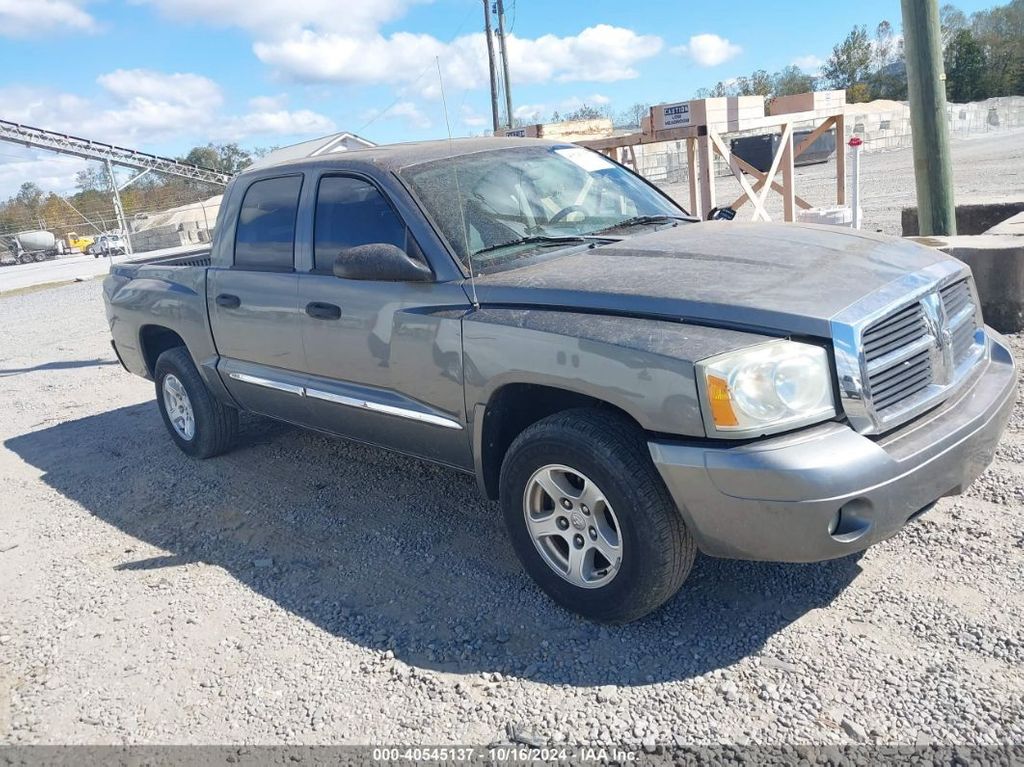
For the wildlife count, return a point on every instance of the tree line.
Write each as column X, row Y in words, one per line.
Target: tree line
column 91, row 207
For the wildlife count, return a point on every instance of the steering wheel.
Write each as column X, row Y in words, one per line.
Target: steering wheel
column 564, row 213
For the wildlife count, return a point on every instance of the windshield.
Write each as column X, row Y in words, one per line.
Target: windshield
column 499, row 206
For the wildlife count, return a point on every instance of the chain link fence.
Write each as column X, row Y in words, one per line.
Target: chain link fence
column 158, row 217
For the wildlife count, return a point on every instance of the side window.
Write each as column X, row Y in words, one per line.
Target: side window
column 265, row 238
column 350, row 212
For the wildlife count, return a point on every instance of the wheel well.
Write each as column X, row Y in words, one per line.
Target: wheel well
column 515, row 407
column 154, row 340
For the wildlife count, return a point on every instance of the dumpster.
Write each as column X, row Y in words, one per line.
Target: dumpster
column 759, row 150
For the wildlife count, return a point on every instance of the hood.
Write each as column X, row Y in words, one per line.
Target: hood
column 790, row 278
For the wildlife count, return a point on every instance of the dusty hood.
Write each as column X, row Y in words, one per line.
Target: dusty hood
column 788, row 277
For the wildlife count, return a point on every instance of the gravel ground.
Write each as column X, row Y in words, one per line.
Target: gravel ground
column 984, row 167
column 307, row 590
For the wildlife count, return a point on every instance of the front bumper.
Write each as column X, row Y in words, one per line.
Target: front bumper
column 826, row 491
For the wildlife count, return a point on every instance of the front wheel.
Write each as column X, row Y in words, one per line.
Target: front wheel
column 200, row 425
column 591, row 519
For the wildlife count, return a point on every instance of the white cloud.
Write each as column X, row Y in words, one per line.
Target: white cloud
column 49, row 171
column 536, row 113
column 278, row 122
column 32, row 18
column 285, row 18
column 708, row 50
column 140, row 107
column 324, row 41
column 268, row 103
column 597, row 54
column 473, row 119
column 406, row 111
column 809, row 63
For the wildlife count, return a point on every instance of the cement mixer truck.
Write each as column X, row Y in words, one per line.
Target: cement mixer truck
column 26, row 247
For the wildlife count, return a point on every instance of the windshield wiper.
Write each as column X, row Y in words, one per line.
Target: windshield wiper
column 640, row 220
column 545, row 239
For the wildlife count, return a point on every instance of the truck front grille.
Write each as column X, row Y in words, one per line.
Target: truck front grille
column 912, row 357
column 896, row 352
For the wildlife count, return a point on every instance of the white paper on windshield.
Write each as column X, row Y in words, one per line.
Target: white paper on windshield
column 591, row 162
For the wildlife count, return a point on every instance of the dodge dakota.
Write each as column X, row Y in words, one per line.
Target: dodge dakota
column 632, row 385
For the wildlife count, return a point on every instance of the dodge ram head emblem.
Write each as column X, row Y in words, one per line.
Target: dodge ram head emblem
column 936, row 323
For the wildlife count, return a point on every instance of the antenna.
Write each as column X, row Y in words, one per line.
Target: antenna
column 458, row 190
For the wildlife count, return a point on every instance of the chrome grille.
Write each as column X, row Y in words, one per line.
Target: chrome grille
column 906, row 348
column 961, row 315
column 897, row 355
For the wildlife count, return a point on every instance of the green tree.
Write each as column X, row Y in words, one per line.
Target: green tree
column 583, row 112
column 791, row 81
column 227, row 158
column 965, row 68
column 850, row 61
column 93, row 177
column 1000, row 32
column 760, row 83
column 29, row 195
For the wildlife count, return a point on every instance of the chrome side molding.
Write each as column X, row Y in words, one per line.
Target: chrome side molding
column 339, row 399
column 267, row 383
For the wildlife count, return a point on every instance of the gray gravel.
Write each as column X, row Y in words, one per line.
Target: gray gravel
column 313, row 591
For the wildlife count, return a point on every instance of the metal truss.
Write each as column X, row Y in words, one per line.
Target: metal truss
column 106, row 153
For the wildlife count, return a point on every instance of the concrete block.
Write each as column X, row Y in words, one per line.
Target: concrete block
column 971, row 218
column 997, row 262
column 1013, row 226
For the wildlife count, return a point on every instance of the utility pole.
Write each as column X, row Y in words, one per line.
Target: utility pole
column 926, row 81
column 490, row 66
column 504, row 63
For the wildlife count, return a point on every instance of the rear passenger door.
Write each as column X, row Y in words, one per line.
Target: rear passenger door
column 253, row 303
column 385, row 363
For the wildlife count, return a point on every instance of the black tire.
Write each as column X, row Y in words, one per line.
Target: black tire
column 657, row 549
column 216, row 424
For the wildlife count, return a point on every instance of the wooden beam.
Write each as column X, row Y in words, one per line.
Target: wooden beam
column 840, row 159
column 691, row 163
column 812, row 137
column 776, row 186
column 759, row 211
column 706, row 166
column 788, row 180
column 787, row 135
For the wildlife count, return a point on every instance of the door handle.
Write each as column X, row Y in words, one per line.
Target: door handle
column 322, row 311
column 228, row 301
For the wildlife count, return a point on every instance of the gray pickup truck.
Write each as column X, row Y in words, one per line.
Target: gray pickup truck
column 632, row 384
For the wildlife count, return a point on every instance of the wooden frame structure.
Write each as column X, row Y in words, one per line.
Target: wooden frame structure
column 704, row 142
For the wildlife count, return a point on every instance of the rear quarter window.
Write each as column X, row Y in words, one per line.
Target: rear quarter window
column 265, row 236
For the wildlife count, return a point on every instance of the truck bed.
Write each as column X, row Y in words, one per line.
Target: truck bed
column 196, row 257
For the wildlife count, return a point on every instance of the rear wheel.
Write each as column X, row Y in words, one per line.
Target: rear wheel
column 591, row 519
column 200, row 425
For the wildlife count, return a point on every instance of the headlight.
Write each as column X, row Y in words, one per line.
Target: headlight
column 767, row 388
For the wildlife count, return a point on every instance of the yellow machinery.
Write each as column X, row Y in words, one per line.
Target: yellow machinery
column 78, row 241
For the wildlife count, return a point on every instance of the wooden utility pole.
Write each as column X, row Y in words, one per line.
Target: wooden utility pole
column 504, row 63
column 495, row 122
column 926, row 81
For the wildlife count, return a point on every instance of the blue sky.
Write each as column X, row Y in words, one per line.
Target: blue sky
column 165, row 75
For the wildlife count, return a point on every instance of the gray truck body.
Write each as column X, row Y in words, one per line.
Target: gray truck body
column 451, row 371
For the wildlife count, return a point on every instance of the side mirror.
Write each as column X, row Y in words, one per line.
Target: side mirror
column 379, row 261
